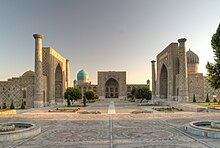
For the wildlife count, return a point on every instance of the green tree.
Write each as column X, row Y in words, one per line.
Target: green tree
column 12, row 105
column 207, row 98
column 214, row 100
column 89, row 94
column 194, row 98
column 4, row 106
column 72, row 94
column 213, row 69
column 143, row 93
column 22, row 105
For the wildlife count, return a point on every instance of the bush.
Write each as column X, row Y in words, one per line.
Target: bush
column 214, row 100
column 218, row 102
column 22, row 105
column 207, row 98
column 4, row 106
column 12, row 105
column 194, row 98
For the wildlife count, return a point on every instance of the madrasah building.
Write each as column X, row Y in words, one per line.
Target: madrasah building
column 111, row 84
column 175, row 75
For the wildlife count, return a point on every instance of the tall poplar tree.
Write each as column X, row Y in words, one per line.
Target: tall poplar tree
column 213, row 69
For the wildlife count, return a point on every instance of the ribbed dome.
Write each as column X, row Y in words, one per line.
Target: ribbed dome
column 192, row 58
column 83, row 76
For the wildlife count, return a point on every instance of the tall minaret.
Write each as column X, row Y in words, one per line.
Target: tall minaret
column 183, row 75
column 38, row 93
column 153, row 78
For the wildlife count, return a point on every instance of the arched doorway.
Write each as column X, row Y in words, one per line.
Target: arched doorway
column 111, row 88
column 163, row 82
column 58, row 84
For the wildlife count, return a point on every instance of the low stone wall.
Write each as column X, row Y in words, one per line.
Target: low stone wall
column 7, row 111
column 184, row 106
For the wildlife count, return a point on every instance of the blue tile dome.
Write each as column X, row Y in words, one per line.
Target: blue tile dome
column 82, row 76
column 192, row 58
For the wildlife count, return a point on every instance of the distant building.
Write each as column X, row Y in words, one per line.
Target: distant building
column 177, row 77
column 111, row 84
column 43, row 87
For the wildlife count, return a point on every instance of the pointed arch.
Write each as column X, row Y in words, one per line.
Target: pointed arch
column 111, row 88
column 58, row 84
column 163, row 82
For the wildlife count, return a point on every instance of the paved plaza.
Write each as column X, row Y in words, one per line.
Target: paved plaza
column 115, row 127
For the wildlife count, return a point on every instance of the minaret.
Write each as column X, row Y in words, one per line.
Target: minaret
column 38, row 93
column 183, row 75
column 67, row 73
column 153, row 79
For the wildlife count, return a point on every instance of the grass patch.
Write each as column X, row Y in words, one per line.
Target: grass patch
column 64, row 110
column 167, row 109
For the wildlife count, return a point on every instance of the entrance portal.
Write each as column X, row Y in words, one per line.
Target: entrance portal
column 111, row 88
column 163, row 82
column 58, row 84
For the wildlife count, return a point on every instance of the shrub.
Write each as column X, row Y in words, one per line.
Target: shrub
column 214, row 100
column 218, row 102
column 207, row 98
column 4, row 106
column 194, row 98
column 12, row 105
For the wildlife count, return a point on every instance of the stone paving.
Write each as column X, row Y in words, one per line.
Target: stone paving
column 119, row 130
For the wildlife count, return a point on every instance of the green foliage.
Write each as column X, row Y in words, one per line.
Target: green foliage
column 89, row 94
column 194, row 98
column 22, row 105
column 4, row 106
column 218, row 102
column 72, row 94
column 214, row 100
column 213, row 69
column 142, row 93
column 12, row 105
column 207, row 98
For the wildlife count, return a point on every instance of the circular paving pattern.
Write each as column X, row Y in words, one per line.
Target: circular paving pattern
column 85, row 123
column 143, row 134
column 76, row 135
column 139, row 123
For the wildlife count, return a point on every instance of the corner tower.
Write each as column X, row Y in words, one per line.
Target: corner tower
column 38, row 94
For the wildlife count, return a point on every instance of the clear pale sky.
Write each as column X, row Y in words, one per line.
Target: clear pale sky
column 104, row 34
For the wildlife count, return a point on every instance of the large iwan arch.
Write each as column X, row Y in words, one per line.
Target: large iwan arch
column 58, row 84
column 163, row 82
column 111, row 88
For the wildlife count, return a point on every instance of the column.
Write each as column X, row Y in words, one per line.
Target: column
column 38, row 94
column 67, row 73
column 153, row 78
column 183, row 75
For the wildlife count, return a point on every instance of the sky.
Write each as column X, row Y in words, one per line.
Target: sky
column 104, row 35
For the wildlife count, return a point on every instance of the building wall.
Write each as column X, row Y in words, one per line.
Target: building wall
column 119, row 76
column 169, row 58
column 51, row 59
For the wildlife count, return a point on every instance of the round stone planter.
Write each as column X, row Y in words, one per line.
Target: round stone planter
column 202, row 128
column 22, row 130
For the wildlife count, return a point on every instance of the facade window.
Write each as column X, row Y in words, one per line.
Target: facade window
column 106, row 89
column 89, row 88
column 111, row 89
column 116, row 89
column 8, row 95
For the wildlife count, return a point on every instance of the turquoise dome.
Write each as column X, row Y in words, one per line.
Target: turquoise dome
column 83, row 76
column 192, row 58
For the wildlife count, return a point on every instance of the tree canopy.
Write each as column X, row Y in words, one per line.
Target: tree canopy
column 89, row 94
column 72, row 94
column 141, row 93
column 213, row 69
